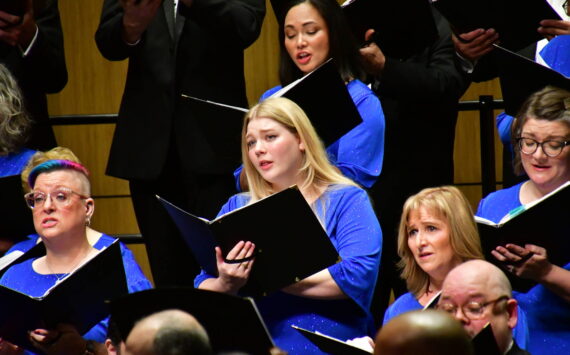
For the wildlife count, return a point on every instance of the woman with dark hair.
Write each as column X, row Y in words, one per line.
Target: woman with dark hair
column 311, row 32
column 541, row 136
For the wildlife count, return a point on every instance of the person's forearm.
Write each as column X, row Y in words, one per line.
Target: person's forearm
column 320, row 285
column 557, row 280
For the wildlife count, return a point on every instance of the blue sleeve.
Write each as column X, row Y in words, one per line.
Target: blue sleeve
column 136, row 280
column 270, row 92
column 504, row 124
column 237, row 173
column 405, row 303
column 520, row 331
column 360, row 152
column 357, row 237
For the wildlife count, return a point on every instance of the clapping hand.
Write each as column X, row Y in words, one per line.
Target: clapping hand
column 18, row 30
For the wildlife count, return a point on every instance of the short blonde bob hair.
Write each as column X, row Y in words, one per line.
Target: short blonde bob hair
column 448, row 203
column 316, row 170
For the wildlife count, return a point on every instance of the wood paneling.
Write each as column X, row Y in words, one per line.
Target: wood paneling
column 95, row 86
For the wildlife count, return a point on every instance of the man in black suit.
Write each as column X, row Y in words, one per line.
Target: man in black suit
column 476, row 293
column 31, row 47
column 419, row 96
column 164, row 144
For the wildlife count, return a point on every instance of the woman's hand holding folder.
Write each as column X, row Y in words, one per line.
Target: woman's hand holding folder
column 233, row 272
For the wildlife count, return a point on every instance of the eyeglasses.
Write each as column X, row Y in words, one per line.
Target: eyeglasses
column 61, row 197
column 471, row 310
column 551, row 147
column 566, row 7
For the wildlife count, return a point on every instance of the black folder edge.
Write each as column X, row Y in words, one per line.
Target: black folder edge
column 33, row 312
column 260, row 283
column 244, row 324
column 324, row 97
column 484, row 343
column 12, row 204
column 491, row 238
column 330, row 344
column 521, row 77
column 392, row 32
column 522, row 32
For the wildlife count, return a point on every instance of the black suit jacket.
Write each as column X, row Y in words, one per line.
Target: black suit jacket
column 42, row 71
column 201, row 55
column 419, row 97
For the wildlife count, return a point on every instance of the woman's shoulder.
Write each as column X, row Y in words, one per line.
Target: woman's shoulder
column 405, row 303
column 235, row 202
column 270, row 92
column 500, row 202
column 360, row 91
column 344, row 190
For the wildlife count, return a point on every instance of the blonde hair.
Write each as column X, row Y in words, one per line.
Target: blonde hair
column 316, row 169
column 447, row 202
column 41, row 157
column 14, row 120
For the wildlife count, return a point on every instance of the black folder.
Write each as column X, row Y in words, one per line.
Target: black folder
column 13, row 7
column 546, row 223
column 291, row 243
column 324, row 98
column 521, row 77
column 402, row 28
column 484, row 342
column 18, row 222
column 232, row 323
column 323, row 95
column 515, row 21
column 79, row 299
column 329, row 344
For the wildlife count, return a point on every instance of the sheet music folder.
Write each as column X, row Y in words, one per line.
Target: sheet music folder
column 545, row 223
column 521, row 77
column 232, row 323
column 391, row 21
column 79, row 299
column 329, row 344
column 484, row 342
column 324, row 98
column 515, row 22
column 18, row 221
column 291, row 243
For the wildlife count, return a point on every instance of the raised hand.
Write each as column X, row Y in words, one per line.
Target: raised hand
column 373, row 58
column 18, row 30
column 137, row 15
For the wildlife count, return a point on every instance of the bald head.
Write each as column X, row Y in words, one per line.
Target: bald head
column 480, row 282
column 482, row 272
column 427, row 332
column 169, row 332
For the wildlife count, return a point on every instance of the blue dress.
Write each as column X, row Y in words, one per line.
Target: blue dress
column 359, row 153
column 14, row 163
column 548, row 315
column 355, row 233
column 23, row 278
column 408, row 302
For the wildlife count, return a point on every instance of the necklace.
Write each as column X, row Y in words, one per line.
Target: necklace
column 62, row 275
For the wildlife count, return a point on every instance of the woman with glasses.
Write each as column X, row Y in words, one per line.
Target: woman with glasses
column 541, row 134
column 62, row 208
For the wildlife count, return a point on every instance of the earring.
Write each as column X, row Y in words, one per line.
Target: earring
column 87, row 222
